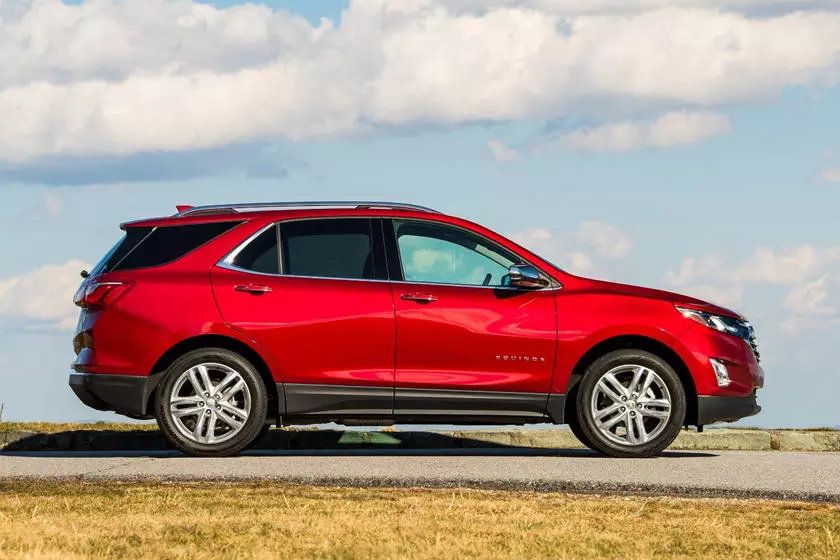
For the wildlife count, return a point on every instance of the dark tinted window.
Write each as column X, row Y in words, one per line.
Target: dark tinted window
column 261, row 254
column 165, row 244
column 133, row 236
column 334, row 248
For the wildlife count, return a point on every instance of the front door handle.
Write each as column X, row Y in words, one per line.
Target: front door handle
column 252, row 288
column 420, row 297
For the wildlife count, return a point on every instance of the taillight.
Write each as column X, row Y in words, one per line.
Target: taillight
column 100, row 294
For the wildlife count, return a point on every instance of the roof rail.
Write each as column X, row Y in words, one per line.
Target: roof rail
column 215, row 208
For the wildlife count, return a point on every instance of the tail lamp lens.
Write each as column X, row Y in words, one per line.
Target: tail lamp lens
column 100, row 294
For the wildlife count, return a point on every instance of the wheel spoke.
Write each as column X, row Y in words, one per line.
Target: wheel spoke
column 608, row 391
column 230, row 409
column 607, row 411
column 224, row 416
column 629, row 423
column 192, row 399
column 198, row 432
column 612, row 422
column 211, row 427
column 637, row 376
column 233, row 390
column 663, row 414
column 649, row 379
column 181, row 412
column 220, row 388
column 641, row 433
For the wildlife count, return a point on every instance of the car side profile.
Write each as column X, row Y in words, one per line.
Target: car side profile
column 220, row 321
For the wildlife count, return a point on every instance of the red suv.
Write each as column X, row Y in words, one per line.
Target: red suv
column 222, row 320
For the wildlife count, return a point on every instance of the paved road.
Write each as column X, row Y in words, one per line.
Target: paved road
column 774, row 474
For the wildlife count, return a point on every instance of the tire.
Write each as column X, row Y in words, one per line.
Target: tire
column 574, row 423
column 621, row 422
column 237, row 417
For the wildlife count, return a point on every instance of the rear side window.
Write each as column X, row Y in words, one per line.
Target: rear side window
column 261, row 254
column 167, row 243
column 330, row 248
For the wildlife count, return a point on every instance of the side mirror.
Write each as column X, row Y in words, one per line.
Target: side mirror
column 526, row 276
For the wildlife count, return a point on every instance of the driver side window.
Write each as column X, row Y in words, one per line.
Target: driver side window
column 440, row 254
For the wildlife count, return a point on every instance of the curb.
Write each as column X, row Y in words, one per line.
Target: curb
column 145, row 440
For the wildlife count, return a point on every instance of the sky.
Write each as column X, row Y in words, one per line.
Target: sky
column 689, row 145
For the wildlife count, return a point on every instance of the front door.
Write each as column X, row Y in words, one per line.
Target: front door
column 321, row 306
column 468, row 344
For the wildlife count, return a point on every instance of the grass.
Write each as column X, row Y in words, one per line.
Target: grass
column 57, row 427
column 267, row 520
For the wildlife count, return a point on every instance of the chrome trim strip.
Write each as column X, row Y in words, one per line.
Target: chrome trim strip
column 305, row 204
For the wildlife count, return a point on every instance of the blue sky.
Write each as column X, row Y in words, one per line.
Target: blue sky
column 705, row 162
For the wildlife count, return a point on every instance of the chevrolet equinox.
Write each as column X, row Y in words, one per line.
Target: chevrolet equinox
column 220, row 321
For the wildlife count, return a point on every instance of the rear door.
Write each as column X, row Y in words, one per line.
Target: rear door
column 314, row 294
column 467, row 343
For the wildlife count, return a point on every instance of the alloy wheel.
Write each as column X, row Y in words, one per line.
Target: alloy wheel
column 631, row 405
column 210, row 403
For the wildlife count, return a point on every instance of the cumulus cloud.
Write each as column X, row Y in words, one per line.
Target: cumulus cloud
column 805, row 272
column 831, row 175
column 571, row 251
column 671, row 129
column 42, row 298
column 212, row 77
column 501, row 153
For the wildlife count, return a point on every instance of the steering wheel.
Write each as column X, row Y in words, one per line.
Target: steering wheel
column 487, row 279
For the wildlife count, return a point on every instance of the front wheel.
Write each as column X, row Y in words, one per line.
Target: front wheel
column 211, row 403
column 630, row 403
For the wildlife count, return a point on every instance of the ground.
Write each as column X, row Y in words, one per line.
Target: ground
column 269, row 520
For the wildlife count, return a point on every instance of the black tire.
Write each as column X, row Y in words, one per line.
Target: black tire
column 574, row 423
column 585, row 417
column 254, row 423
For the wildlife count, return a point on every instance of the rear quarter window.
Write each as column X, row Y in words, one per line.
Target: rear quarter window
column 164, row 244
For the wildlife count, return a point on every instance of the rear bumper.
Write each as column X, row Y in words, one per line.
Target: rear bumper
column 725, row 409
column 124, row 394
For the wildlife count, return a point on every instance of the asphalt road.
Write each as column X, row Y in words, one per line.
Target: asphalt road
column 774, row 474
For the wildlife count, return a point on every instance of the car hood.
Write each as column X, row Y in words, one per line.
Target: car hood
column 650, row 293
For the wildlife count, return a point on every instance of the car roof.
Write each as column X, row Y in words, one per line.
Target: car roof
column 268, row 212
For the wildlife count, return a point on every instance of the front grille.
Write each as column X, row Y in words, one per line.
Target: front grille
column 753, row 342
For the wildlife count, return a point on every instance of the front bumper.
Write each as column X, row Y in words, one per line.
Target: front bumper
column 725, row 409
column 124, row 394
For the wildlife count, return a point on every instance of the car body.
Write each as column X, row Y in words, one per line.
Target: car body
column 379, row 313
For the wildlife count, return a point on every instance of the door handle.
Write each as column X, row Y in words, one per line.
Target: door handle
column 252, row 288
column 419, row 297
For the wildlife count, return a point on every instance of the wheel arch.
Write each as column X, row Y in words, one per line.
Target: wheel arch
column 634, row 342
column 274, row 389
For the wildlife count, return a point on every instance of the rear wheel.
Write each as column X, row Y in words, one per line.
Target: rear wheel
column 211, row 403
column 630, row 403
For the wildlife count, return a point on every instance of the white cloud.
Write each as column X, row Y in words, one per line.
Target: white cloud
column 606, row 239
column 570, row 251
column 787, row 266
column 52, row 203
column 727, row 296
column 501, row 153
column 831, row 175
column 810, row 298
column 86, row 79
column 42, row 297
column 671, row 129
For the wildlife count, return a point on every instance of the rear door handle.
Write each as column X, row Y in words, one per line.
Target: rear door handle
column 252, row 288
column 420, row 297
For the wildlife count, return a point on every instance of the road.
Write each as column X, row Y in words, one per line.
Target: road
column 785, row 475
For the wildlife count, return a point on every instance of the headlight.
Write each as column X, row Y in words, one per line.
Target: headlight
column 729, row 325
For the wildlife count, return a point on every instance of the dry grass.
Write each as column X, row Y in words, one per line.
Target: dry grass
column 56, row 427
column 221, row 520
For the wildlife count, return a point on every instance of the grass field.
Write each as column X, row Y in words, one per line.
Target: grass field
column 221, row 520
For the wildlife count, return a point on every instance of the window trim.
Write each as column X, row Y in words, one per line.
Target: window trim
column 391, row 245
column 377, row 250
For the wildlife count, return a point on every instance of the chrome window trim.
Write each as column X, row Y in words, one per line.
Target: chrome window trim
column 554, row 284
column 227, row 261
